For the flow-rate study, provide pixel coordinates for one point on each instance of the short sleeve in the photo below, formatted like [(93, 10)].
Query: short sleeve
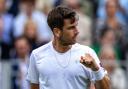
[(32, 74)]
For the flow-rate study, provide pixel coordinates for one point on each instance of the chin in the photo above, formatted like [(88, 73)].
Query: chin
[(73, 42), (69, 43)]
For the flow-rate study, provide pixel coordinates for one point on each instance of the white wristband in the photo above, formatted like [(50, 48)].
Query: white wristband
[(98, 75)]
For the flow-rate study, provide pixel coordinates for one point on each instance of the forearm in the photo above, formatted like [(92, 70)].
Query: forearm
[(103, 83), (34, 86)]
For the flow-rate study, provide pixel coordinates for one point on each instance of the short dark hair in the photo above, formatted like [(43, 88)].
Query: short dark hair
[(58, 14)]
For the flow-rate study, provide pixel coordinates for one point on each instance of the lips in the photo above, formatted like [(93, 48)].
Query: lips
[(75, 35)]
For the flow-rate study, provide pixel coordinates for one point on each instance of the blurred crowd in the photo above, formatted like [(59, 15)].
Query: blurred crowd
[(103, 25)]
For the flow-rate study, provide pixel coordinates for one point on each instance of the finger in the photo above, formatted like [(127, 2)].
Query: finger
[(81, 57), (81, 60), (88, 55), (84, 58), (88, 62)]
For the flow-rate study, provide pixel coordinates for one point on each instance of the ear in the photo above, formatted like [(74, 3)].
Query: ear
[(57, 32)]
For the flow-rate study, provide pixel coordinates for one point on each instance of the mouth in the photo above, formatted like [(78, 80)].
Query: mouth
[(75, 36)]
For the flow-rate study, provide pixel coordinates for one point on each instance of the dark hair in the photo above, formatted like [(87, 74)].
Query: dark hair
[(58, 14)]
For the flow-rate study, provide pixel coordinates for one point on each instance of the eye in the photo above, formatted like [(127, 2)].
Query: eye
[(72, 28)]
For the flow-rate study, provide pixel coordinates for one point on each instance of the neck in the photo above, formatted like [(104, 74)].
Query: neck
[(60, 47), (22, 57)]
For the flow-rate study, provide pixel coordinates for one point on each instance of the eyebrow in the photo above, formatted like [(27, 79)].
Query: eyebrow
[(74, 24)]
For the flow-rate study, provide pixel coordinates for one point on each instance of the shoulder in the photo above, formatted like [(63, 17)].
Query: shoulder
[(43, 50), (82, 47), (20, 17), (85, 49)]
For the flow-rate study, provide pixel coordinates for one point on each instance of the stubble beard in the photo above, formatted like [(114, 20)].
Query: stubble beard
[(66, 42)]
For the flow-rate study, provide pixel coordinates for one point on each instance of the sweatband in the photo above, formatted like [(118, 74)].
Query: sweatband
[(98, 75)]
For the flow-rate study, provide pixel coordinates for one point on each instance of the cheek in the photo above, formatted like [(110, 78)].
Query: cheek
[(70, 33), (69, 36)]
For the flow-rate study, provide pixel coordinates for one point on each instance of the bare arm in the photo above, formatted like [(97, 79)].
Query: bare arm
[(103, 84), (34, 86)]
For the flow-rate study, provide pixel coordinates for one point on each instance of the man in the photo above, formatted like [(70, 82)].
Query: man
[(63, 63)]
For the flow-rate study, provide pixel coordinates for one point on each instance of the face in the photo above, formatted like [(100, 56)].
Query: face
[(108, 58), (29, 7), (111, 8), (22, 47), (31, 30), (69, 33), (2, 5), (108, 38)]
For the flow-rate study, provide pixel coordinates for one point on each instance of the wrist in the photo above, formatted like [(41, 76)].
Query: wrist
[(99, 74)]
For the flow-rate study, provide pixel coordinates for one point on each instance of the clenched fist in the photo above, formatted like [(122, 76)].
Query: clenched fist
[(89, 62)]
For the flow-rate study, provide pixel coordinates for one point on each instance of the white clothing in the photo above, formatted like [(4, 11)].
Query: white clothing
[(23, 71), (118, 76), (53, 70)]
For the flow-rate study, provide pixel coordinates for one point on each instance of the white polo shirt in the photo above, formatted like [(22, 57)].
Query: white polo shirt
[(53, 70)]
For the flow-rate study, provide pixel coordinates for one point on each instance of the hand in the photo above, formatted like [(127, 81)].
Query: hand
[(89, 62)]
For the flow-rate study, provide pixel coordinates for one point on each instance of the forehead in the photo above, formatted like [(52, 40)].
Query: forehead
[(110, 4), (21, 41)]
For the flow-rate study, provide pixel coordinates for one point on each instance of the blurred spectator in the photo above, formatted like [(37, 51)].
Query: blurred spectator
[(13, 7), (114, 23), (20, 64), (117, 75), (84, 23), (30, 32), (0, 74), (95, 7), (121, 14), (111, 20), (28, 11), (44, 5), (106, 36), (6, 21)]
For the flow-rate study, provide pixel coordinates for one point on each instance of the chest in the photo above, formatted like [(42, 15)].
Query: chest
[(52, 67)]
